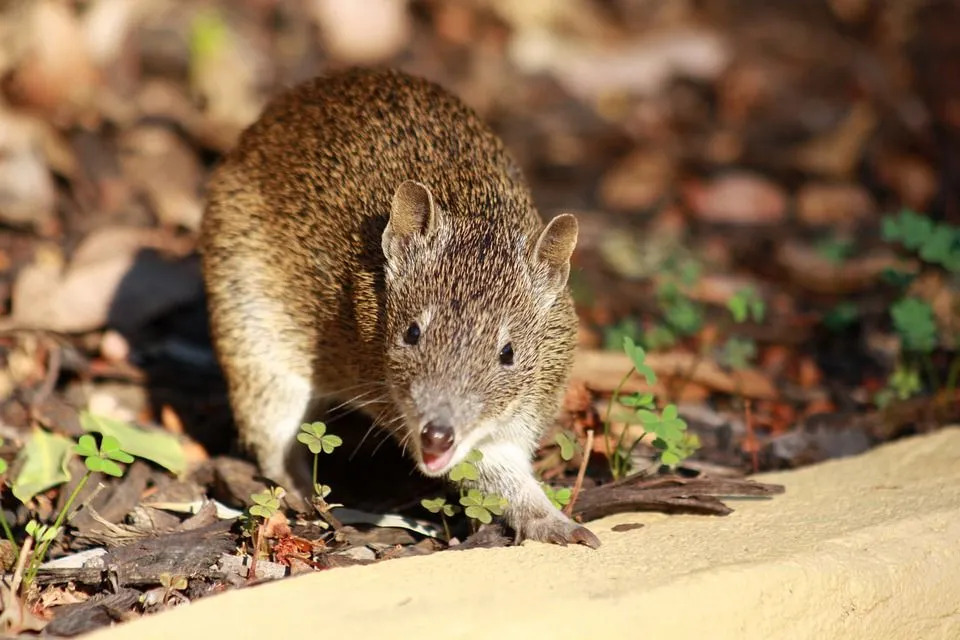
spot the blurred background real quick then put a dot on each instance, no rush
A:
(708, 148)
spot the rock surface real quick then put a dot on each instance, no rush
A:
(865, 547)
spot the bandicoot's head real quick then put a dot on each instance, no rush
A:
(476, 331)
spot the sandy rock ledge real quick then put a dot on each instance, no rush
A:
(867, 547)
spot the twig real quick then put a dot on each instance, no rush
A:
(588, 448)
(252, 571)
(21, 563)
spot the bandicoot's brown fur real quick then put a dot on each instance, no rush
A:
(371, 242)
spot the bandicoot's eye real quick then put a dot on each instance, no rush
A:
(412, 336)
(506, 355)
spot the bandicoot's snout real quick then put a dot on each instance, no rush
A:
(436, 445)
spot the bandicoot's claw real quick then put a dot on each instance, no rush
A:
(582, 535)
(560, 530)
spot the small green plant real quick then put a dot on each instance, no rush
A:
(467, 469)
(266, 503)
(314, 435)
(913, 320)
(478, 506)
(935, 243)
(903, 383)
(102, 459)
(444, 508)
(738, 352)
(938, 246)
(668, 429)
(560, 497)
(482, 506)
(747, 304)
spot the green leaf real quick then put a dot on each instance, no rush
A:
(637, 400)
(670, 412)
(450, 510)
(3, 466)
(464, 471)
(49, 534)
(905, 382)
(44, 464)
(94, 463)
(111, 468)
(494, 504)
(266, 499)
(567, 445)
(911, 229)
(474, 456)
(313, 443)
(479, 513)
(260, 511)
(638, 356)
(86, 446)
(315, 429)
(913, 320)
(330, 442)
(157, 446)
(669, 458)
(659, 337)
(647, 417)
(684, 315)
(433, 505)
(737, 352)
(562, 496)
(746, 303)
(940, 245)
(31, 528)
(110, 447)
(473, 497)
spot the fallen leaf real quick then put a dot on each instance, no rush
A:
(44, 464)
(57, 75)
(836, 153)
(112, 278)
(154, 445)
(841, 205)
(363, 33)
(737, 198)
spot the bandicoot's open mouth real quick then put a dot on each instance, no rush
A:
(437, 462)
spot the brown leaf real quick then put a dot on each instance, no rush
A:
(738, 198)
(602, 370)
(88, 292)
(840, 205)
(57, 75)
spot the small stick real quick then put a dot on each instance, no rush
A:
(588, 448)
(21, 563)
(257, 540)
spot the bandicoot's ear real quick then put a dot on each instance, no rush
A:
(551, 255)
(412, 213)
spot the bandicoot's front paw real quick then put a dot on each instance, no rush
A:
(557, 529)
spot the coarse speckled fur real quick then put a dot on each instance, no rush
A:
(310, 290)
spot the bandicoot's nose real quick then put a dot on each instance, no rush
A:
(436, 439)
